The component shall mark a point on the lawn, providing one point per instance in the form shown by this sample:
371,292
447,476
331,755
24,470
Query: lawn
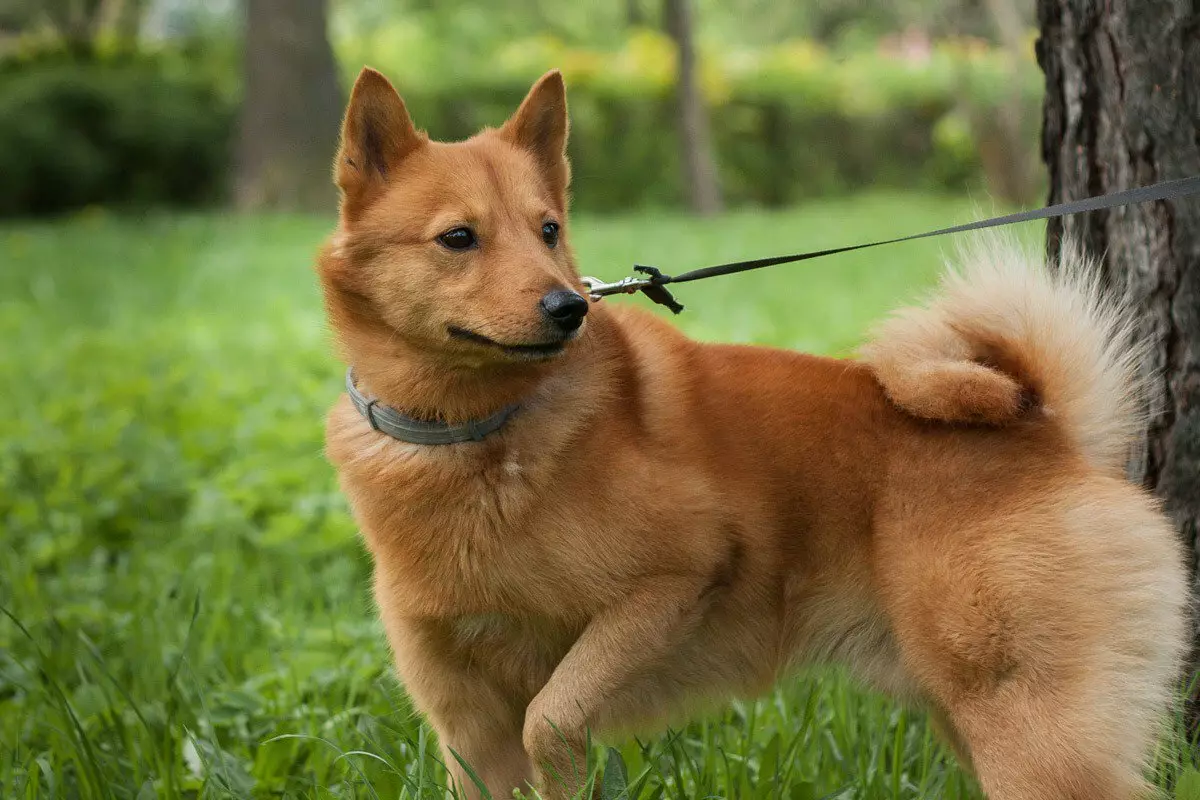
186,601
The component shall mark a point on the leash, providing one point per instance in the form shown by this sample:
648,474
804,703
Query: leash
654,284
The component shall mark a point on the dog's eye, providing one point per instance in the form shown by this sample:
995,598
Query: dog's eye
550,233
458,239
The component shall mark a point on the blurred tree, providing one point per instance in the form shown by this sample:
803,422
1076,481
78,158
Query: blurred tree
634,13
125,17
291,108
76,21
695,142
1122,109
1007,139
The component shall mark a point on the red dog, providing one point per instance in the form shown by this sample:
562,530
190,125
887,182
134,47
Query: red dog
582,520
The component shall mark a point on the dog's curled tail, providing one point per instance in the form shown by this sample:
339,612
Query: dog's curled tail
1005,335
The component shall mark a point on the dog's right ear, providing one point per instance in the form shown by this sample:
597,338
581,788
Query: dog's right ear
377,134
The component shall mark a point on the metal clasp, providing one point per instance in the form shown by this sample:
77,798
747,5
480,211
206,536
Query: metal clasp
653,286
598,288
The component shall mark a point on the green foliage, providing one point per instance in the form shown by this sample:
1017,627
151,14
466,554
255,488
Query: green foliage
730,22
790,121
191,613
1188,787
108,128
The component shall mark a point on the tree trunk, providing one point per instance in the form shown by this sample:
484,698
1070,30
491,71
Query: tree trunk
699,166
76,21
633,13
291,108
125,18
1122,109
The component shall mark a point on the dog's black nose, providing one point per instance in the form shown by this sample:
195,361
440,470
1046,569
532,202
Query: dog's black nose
565,309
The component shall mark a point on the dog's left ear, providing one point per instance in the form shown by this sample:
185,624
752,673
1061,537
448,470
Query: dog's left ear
540,126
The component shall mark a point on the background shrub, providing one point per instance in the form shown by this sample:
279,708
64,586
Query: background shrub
790,121
128,130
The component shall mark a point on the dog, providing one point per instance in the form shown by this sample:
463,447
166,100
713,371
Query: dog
583,522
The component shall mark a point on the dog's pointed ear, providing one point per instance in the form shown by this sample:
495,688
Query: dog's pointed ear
377,134
540,126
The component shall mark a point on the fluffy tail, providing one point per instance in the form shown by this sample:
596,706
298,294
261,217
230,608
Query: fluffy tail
1004,335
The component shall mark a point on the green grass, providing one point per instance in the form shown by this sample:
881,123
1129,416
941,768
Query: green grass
189,602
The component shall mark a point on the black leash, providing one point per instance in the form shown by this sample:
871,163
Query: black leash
655,282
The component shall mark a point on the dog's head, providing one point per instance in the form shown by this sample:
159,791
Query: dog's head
459,251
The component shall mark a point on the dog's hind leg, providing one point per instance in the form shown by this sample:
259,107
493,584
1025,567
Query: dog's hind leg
1031,744
1029,760
1051,634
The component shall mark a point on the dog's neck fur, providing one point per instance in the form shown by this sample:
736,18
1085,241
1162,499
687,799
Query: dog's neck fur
423,389
419,384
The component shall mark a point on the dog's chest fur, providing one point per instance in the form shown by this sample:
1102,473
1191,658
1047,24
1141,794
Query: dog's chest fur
457,532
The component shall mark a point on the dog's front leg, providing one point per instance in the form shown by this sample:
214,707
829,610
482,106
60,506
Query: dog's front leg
476,718
596,686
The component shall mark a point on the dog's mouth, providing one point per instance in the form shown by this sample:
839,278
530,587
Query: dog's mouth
523,351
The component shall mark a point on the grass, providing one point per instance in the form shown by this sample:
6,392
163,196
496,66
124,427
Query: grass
186,604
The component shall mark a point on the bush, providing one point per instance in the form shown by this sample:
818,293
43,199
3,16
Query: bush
125,131
789,122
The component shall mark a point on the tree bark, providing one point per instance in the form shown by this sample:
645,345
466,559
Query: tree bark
695,142
1122,109
291,108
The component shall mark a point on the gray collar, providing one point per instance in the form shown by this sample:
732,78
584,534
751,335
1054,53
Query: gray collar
406,429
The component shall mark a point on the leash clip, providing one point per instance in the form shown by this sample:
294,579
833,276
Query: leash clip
651,286
598,288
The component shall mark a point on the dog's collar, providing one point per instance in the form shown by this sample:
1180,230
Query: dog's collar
414,431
